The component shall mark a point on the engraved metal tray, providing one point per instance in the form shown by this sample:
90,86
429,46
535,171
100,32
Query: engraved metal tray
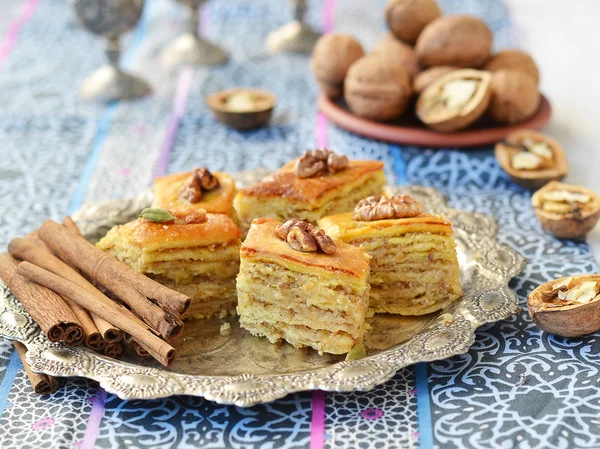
244,370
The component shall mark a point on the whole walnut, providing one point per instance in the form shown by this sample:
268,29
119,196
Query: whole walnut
377,89
514,60
331,58
460,41
515,97
429,76
398,52
407,18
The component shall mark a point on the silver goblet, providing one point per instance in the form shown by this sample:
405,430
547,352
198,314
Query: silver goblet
110,19
296,36
190,47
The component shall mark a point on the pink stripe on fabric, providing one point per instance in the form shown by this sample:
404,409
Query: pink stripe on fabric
328,8
15,29
321,130
92,429
183,88
317,424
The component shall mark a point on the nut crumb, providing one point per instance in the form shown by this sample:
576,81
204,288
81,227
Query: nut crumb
225,329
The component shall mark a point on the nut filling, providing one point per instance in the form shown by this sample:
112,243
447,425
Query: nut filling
380,208
201,180
564,293
531,155
564,202
319,162
302,236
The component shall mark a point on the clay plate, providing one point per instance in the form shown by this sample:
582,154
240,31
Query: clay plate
409,131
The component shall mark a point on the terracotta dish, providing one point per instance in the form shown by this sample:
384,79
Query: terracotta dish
409,131
242,108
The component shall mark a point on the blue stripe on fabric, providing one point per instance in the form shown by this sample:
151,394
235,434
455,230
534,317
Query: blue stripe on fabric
13,367
399,165
105,121
423,407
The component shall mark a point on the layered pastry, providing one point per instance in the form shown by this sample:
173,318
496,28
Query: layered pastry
414,266
196,254
297,284
198,189
319,183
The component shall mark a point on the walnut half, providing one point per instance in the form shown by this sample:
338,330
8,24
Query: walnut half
302,236
201,180
320,161
375,208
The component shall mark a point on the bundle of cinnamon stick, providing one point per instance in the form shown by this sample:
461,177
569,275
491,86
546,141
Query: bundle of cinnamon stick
79,295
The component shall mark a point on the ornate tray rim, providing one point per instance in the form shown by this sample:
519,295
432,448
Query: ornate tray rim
487,299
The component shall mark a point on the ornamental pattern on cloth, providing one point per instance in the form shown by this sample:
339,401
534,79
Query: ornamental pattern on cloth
517,386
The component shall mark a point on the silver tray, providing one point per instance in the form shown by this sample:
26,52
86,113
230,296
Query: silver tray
244,370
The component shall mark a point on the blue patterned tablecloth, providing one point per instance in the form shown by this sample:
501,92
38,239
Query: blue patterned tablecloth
516,387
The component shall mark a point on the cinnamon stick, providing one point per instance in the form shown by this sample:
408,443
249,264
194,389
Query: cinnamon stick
49,310
109,332
41,383
106,308
70,224
113,350
173,302
25,250
133,288
135,346
92,336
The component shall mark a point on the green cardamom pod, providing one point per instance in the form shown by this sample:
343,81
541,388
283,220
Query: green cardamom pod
157,215
357,352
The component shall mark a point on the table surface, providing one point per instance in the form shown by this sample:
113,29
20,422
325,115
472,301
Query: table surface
516,387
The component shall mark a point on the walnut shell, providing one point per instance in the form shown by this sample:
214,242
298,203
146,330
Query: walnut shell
461,41
439,107
570,320
407,18
515,97
514,60
555,170
574,225
377,89
331,58
428,76
398,52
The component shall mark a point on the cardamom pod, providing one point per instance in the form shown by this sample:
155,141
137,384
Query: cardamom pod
157,215
357,352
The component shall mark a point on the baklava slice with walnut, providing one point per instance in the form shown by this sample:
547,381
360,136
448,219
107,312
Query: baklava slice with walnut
297,284
414,266
319,183
195,253
198,189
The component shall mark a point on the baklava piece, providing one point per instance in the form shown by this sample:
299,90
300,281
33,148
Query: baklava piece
198,189
414,266
319,183
297,284
196,254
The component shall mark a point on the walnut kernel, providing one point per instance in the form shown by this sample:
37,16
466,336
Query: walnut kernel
319,161
301,240
380,208
200,180
302,236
